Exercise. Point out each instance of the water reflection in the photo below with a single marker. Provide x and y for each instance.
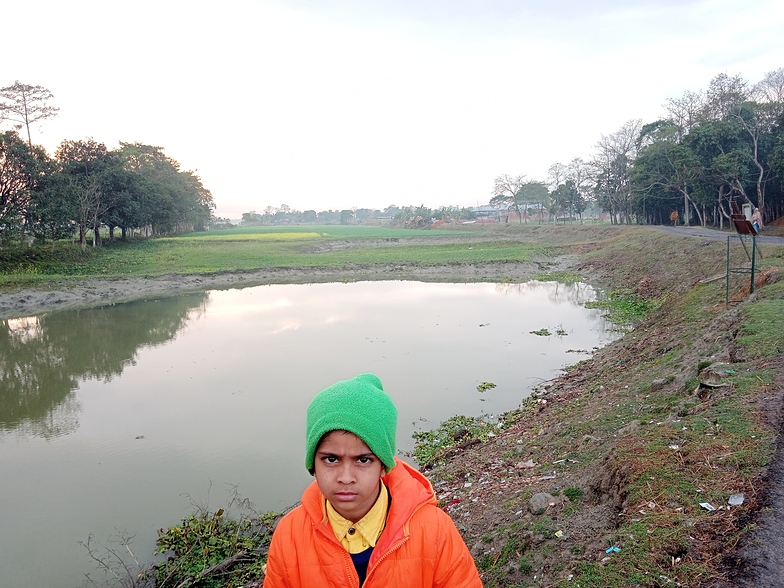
(43, 359)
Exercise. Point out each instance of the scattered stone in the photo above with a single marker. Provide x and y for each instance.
(657, 385)
(632, 427)
(713, 375)
(540, 502)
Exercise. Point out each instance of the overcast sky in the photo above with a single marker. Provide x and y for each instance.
(332, 104)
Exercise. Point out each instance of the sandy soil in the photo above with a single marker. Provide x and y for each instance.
(100, 291)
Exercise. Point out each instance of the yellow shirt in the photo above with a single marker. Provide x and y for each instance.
(357, 537)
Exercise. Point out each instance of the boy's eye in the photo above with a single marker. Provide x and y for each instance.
(365, 460)
(330, 459)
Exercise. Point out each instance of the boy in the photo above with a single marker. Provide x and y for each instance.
(369, 519)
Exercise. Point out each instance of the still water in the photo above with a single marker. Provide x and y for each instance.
(118, 419)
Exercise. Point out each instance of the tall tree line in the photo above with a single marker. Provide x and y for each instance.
(711, 148)
(84, 186)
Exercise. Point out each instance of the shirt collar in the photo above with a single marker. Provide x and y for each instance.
(359, 536)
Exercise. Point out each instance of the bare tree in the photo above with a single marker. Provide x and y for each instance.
(611, 166)
(770, 88)
(556, 175)
(92, 206)
(724, 95)
(758, 120)
(505, 191)
(686, 112)
(24, 105)
(579, 171)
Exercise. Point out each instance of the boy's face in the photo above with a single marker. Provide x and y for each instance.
(348, 474)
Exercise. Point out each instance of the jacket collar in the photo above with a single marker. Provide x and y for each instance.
(409, 490)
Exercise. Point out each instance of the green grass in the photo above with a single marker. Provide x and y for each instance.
(264, 248)
(762, 331)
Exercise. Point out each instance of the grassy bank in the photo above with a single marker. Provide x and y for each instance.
(620, 473)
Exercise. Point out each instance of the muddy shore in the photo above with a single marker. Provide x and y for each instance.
(85, 293)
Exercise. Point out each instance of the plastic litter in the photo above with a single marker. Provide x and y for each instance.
(452, 503)
(707, 506)
(559, 534)
(736, 499)
(612, 549)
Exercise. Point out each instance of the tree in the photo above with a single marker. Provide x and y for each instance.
(14, 179)
(579, 173)
(758, 120)
(534, 193)
(83, 162)
(724, 95)
(725, 157)
(770, 88)
(667, 167)
(686, 112)
(567, 201)
(251, 218)
(172, 201)
(24, 105)
(556, 175)
(52, 213)
(21, 168)
(506, 191)
(611, 167)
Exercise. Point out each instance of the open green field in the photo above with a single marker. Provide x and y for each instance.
(244, 249)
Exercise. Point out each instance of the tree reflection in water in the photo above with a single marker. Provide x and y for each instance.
(43, 358)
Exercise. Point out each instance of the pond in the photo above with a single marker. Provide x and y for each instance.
(119, 419)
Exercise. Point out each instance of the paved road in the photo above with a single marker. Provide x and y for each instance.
(763, 552)
(762, 238)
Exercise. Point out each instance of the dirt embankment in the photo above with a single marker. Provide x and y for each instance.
(608, 468)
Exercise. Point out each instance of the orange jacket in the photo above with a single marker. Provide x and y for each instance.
(419, 547)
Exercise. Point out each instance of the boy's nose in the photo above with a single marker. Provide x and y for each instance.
(346, 474)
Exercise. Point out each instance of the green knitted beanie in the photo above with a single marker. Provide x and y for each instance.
(359, 406)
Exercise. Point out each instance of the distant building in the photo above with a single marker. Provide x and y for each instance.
(486, 214)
